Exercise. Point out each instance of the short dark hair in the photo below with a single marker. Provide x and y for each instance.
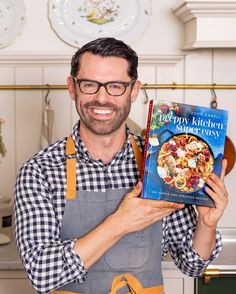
(107, 47)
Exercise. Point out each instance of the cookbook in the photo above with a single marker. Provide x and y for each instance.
(184, 145)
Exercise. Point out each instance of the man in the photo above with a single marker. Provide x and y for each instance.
(79, 219)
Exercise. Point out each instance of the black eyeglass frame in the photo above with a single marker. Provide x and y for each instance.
(125, 84)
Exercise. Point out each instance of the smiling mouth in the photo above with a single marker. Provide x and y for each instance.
(102, 111)
(99, 111)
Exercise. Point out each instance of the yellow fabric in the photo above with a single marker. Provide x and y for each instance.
(70, 169)
(134, 285)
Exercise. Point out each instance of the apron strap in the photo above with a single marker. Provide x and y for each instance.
(134, 285)
(70, 169)
(71, 165)
(137, 153)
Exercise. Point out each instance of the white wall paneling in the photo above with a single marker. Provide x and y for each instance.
(22, 109)
(60, 100)
(28, 113)
(224, 64)
(38, 56)
(7, 112)
(198, 70)
(157, 70)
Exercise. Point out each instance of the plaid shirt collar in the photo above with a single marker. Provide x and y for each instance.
(83, 153)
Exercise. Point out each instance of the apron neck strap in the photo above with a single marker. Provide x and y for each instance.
(70, 169)
(71, 165)
(137, 153)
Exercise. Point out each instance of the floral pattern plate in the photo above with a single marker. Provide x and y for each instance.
(12, 16)
(79, 21)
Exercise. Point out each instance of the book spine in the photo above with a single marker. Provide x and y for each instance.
(149, 118)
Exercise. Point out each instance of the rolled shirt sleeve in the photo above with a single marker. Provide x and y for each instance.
(49, 261)
(178, 232)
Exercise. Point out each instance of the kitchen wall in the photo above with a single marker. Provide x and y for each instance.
(38, 57)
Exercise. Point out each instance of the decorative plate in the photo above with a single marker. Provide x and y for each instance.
(78, 21)
(12, 16)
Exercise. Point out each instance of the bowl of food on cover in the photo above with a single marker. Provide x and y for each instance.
(185, 162)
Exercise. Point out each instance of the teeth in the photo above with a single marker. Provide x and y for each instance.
(103, 111)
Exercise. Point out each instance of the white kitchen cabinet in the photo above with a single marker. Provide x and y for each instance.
(12, 282)
(177, 283)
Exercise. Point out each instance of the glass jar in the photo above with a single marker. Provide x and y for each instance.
(6, 216)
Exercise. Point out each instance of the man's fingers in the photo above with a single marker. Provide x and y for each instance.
(164, 204)
(153, 203)
(223, 170)
(136, 190)
(216, 183)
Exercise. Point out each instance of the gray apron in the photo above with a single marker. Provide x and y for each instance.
(138, 253)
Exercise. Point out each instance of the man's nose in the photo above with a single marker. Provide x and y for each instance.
(102, 94)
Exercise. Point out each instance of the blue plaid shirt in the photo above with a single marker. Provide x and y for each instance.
(40, 202)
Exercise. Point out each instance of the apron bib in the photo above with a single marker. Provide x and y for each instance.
(135, 259)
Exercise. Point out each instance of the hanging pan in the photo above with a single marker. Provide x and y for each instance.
(229, 151)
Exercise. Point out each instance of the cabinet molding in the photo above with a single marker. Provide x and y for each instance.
(208, 24)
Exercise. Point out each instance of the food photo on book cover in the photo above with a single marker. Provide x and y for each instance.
(184, 145)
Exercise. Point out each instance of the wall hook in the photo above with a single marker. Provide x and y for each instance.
(47, 99)
(145, 94)
(214, 103)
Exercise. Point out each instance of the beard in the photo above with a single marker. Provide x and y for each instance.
(103, 127)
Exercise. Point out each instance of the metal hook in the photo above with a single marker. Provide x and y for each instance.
(214, 103)
(47, 100)
(145, 94)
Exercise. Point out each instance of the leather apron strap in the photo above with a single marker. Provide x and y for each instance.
(70, 169)
(137, 153)
(134, 285)
(71, 165)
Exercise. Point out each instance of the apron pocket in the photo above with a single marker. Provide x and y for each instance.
(131, 252)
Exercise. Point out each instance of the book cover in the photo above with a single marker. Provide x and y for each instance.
(184, 145)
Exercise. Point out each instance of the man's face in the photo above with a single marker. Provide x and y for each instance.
(102, 113)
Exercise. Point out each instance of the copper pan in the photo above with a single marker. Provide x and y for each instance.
(229, 154)
(229, 151)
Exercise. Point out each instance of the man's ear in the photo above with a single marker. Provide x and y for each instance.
(71, 87)
(135, 91)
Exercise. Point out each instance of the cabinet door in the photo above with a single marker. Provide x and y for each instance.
(14, 282)
(13, 286)
(174, 286)
(177, 283)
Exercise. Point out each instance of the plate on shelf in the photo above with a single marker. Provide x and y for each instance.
(78, 21)
(12, 17)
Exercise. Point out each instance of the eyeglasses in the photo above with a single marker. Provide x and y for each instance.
(113, 88)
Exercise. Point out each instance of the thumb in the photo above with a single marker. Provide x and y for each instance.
(223, 170)
(136, 190)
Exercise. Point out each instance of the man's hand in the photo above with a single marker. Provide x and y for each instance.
(135, 213)
(204, 237)
(211, 215)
